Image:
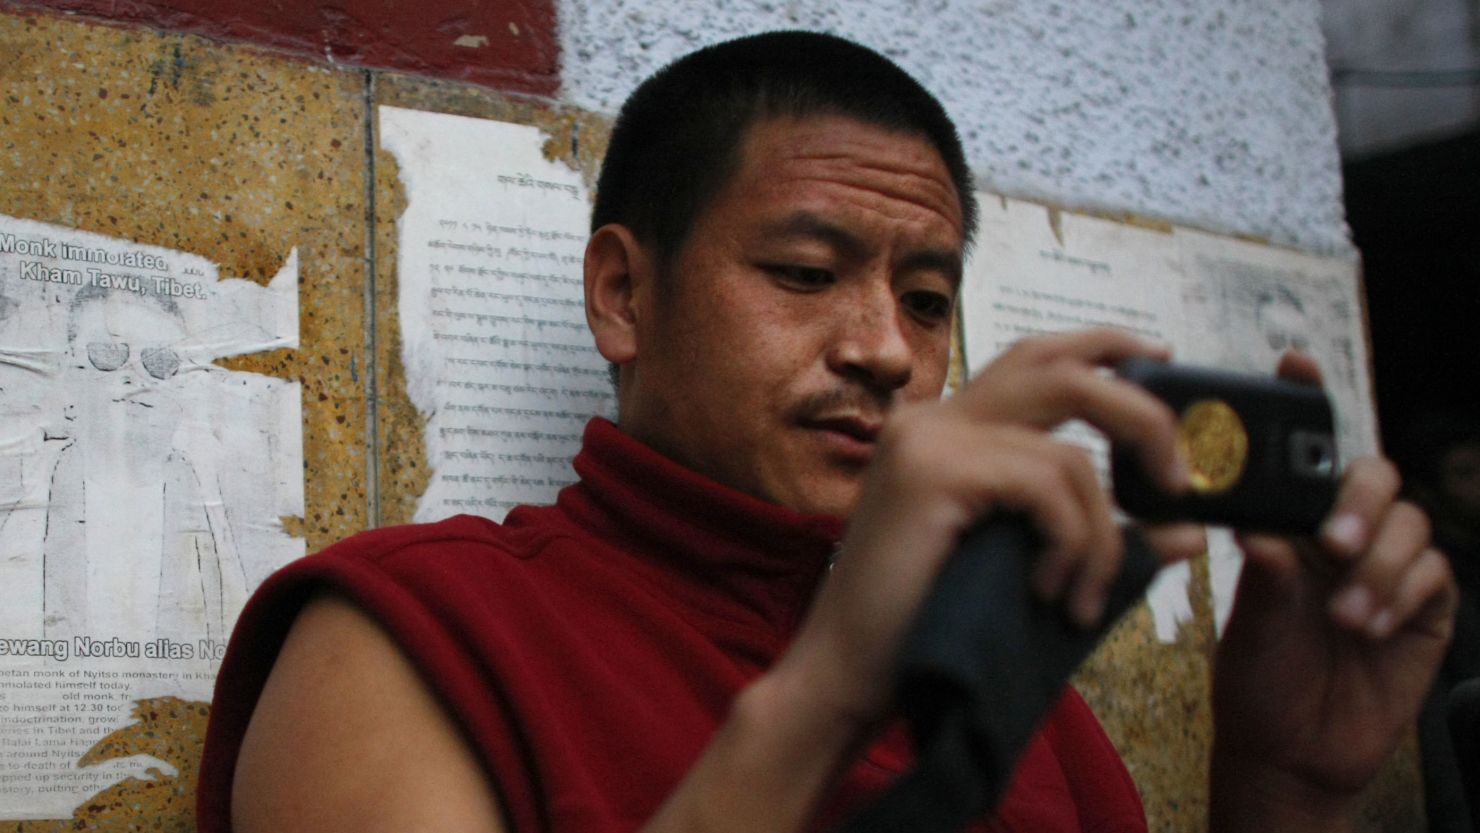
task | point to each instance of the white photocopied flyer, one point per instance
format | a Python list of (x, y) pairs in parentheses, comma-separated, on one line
[(142, 489), (497, 353)]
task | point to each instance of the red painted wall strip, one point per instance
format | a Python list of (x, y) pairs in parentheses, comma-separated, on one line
[(510, 45)]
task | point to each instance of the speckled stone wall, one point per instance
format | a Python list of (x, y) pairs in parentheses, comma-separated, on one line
[(1153, 700), (1209, 114)]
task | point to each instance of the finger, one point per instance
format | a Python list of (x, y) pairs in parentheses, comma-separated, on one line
[(1056, 564), (974, 471), (1299, 367), (1269, 554), (1096, 345), (1367, 490), (1130, 417), (1023, 470), (1090, 591), (1004, 386), (1126, 413), (1176, 541), (1029, 472), (1424, 598), (1083, 575), (1376, 577), (1273, 577)]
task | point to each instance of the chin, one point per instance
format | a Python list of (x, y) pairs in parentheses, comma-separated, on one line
[(838, 501)]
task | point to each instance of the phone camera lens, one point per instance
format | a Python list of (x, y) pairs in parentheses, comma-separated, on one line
[(1312, 454)]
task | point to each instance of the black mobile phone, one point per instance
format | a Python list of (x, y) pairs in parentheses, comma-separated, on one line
[(1262, 450)]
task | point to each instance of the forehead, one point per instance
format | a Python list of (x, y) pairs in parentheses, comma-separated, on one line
[(848, 165)]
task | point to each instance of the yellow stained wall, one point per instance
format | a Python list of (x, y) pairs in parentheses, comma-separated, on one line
[(179, 142), (240, 156)]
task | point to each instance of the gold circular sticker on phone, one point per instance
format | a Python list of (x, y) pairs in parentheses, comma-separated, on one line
[(1212, 439)]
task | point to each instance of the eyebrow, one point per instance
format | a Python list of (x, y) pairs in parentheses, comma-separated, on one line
[(806, 225), (810, 226), (936, 260)]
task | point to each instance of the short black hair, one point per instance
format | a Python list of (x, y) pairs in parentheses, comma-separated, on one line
[(676, 141)]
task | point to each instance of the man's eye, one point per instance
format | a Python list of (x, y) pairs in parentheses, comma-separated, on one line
[(802, 276), (930, 306)]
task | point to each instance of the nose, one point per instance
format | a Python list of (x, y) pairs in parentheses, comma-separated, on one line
[(870, 344)]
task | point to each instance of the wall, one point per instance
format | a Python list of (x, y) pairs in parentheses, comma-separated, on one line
[(179, 142), (509, 45), (260, 138), (1206, 113)]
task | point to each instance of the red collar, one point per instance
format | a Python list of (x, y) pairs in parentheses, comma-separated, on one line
[(765, 556)]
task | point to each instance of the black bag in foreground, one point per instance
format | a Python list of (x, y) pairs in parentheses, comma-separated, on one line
[(981, 667)]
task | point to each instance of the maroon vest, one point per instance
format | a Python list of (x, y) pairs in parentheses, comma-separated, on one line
[(590, 649)]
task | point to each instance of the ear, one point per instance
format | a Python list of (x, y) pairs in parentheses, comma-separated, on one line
[(618, 274)]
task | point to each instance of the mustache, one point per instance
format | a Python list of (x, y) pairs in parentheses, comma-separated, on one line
[(864, 401)]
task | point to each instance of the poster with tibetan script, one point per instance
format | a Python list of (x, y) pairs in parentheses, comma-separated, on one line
[(497, 354)]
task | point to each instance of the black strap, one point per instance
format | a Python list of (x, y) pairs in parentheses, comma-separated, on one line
[(982, 665)]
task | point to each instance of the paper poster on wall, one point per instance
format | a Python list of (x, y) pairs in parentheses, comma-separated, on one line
[(1217, 301), (495, 345), (141, 490)]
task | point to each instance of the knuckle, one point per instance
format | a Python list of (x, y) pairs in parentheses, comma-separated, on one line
[(1378, 474), (1065, 470), (1072, 460), (909, 455), (918, 442), (1063, 384), (1441, 568), (1078, 380), (1415, 519), (1436, 562), (1161, 419), (905, 427), (1026, 349), (1071, 538), (1111, 338), (1106, 563), (1045, 476), (1391, 480)]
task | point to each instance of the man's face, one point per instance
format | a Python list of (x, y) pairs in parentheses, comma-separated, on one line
[(814, 293), (1284, 326), (129, 338)]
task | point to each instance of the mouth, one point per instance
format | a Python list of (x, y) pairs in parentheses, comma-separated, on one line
[(850, 436), (859, 428)]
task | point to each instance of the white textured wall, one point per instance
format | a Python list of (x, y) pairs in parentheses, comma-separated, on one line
[(1213, 113)]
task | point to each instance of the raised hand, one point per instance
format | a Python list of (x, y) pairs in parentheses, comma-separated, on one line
[(1329, 651), (942, 467)]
